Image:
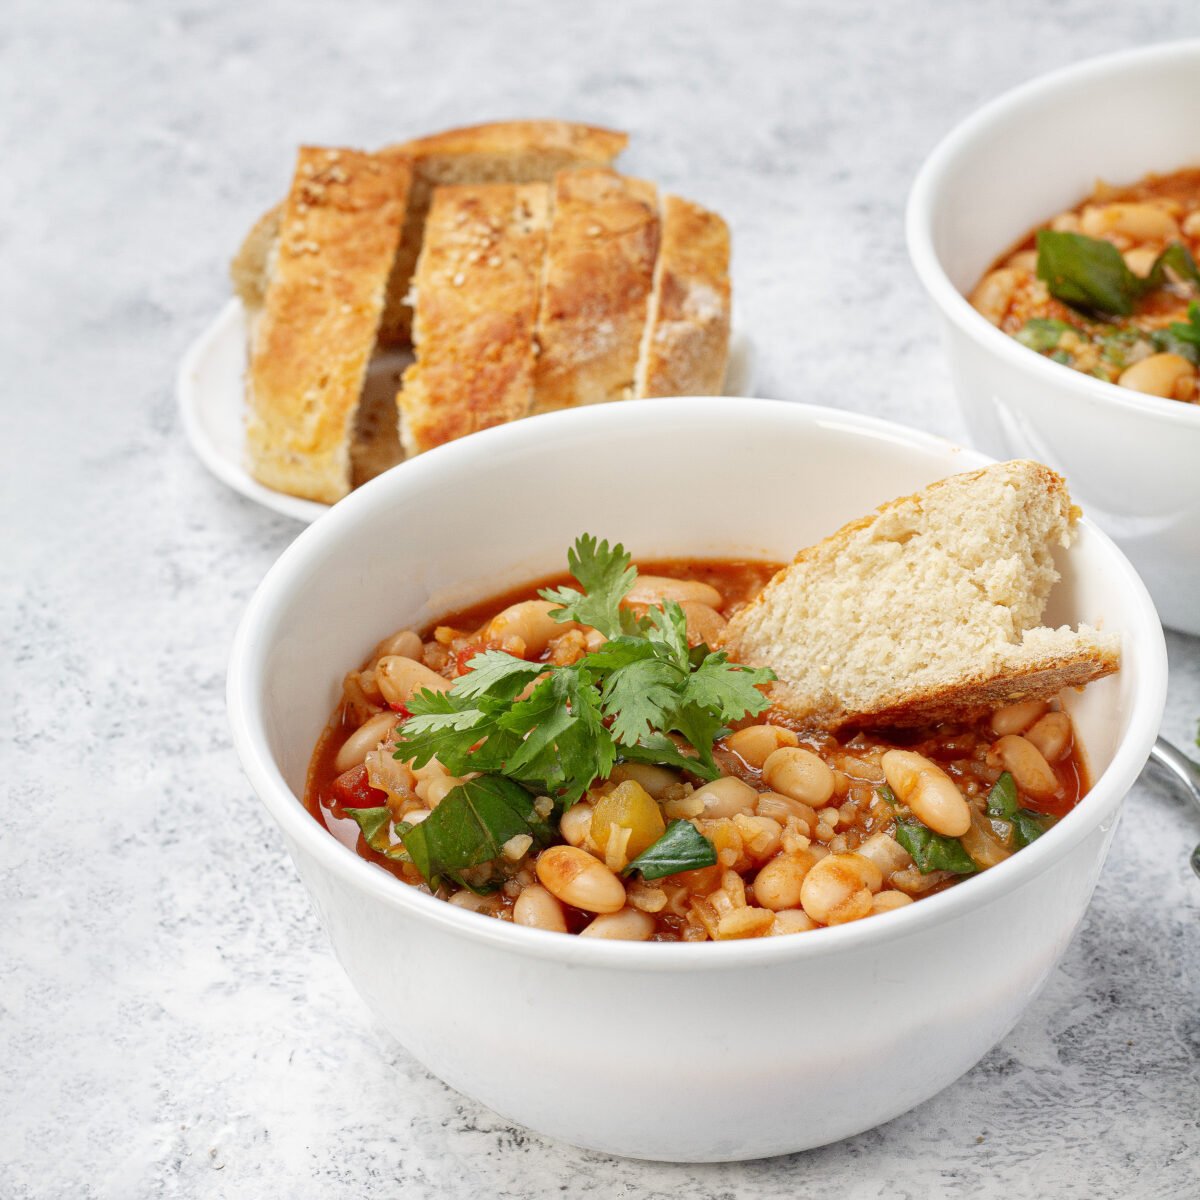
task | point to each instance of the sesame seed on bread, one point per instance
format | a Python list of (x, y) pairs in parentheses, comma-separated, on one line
[(476, 289), (599, 273)]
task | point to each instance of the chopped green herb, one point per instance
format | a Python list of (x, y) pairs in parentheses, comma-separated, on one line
[(1042, 333), (1182, 337), (374, 823), (1090, 273), (470, 826), (1003, 803), (933, 851), (1087, 272), (681, 848)]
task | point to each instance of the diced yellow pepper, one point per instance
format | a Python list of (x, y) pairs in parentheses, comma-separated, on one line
[(628, 806)]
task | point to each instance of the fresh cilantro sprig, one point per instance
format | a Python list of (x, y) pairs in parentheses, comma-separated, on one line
[(624, 700), (607, 576)]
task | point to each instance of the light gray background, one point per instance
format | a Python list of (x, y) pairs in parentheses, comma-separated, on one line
[(171, 1019)]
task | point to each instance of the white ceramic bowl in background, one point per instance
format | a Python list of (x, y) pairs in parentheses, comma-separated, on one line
[(669, 1051), (1131, 459)]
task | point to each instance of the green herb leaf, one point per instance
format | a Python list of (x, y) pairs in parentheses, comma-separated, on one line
[(1004, 802), (933, 851), (1042, 333), (606, 576), (1084, 271), (681, 848), (727, 688), (496, 674), (375, 823), (1182, 337), (1091, 273), (470, 826), (1179, 259)]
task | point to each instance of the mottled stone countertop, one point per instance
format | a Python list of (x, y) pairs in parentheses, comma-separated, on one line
[(172, 1022)]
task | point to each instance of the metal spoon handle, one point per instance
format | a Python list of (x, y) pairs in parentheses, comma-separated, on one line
[(1172, 759), (1187, 772)]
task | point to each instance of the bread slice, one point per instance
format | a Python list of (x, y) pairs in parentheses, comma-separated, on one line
[(476, 288), (251, 266), (686, 343), (926, 610), (600, 255), (310, 347), (500, 152)]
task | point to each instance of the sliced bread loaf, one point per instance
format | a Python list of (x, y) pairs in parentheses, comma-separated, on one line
[(476, 290), (600, 255), (499, 152), (927, 609), (324, 296), (686, 341)]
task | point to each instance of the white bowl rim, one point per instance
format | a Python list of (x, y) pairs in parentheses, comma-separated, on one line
[(1034, 94), (298, 824)]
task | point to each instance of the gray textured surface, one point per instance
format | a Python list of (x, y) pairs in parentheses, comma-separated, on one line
[(171, 1020)]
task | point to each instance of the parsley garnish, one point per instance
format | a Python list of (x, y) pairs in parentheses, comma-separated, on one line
[(643, 696)]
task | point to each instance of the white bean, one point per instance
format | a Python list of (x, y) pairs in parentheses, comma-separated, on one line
[(536, 908), (363, 740), (800, 774), (580, 880), (931, 794), (628, 925), (400, 678), (653, 589), (530, 621)]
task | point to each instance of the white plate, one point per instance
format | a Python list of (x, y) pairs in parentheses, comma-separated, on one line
[(211, 399)]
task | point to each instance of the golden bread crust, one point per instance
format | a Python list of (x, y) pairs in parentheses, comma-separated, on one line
[(251, 265), (686, 343), (477, 285), (966, 700), (497, 152), (338, 235), (600, 256), (500, 152), (584, 143)]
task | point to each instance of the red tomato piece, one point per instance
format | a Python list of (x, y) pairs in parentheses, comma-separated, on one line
[(351, 790), (463, 657)]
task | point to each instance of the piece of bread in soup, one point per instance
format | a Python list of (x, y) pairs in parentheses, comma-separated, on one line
[(926, 610)]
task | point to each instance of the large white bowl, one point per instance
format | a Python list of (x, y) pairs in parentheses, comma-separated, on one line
[(667, 1051), (1131, 459)]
